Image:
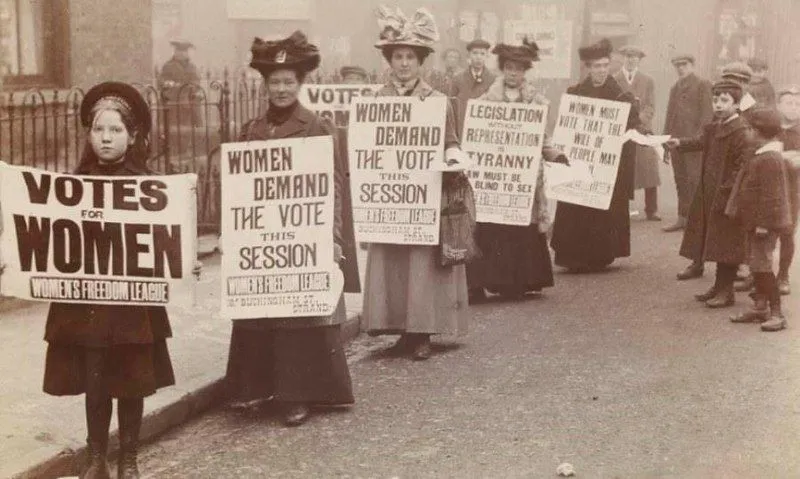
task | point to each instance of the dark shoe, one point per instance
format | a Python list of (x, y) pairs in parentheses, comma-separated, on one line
[(422, 350), (722, 299), (127, 468), (677, 226), (477, 296), (757, 314), (694, 270), (745, 285), (653, 217), (703, 297), (402, 345), (296, 415), (776, 322), (783, 286), (97, 464)]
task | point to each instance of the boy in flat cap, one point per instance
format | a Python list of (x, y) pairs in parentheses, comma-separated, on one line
[(761, 202), (688, 109), (642, 87), (760, 86), (354, 75), (712, 235), (474, 81), (789, 109)]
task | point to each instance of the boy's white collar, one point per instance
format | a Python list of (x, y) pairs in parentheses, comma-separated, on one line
[(772, 146)]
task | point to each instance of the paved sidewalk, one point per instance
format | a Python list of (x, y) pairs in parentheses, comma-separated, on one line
[(41, 434)]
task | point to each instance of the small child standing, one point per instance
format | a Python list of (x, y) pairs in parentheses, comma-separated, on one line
[(761, 203), (789, 109)]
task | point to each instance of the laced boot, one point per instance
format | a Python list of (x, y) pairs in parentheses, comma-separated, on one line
[(723, 299), (96, 462), (130, 423), (776, 321)]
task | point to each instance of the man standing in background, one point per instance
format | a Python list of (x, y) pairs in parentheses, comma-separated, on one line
[(177, 72), (760, 86), (474, 81), (689, 108), (643, 88)]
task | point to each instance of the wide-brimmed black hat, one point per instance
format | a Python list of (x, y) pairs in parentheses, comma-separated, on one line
[(478, 43), (118, 95), (293, 53), (596, 51), (526, 54)]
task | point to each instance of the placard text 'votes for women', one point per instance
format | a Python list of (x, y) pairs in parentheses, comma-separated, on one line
[(504, 141), (395, 145), (591, 130), (333, 101), (277, 229), (97, 239)]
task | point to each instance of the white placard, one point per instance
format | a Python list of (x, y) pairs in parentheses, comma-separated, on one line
[(504, 141), (97, 239), (592, 131), (396, 146), (277, 229), (333, 101)]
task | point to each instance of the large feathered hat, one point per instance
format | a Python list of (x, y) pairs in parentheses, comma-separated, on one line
[(526, 54), (293, 53), (596, 51), (397, 30), (117, 95)]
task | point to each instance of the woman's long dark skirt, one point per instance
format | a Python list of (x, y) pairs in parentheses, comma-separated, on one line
[(514, 258), (290, 365)]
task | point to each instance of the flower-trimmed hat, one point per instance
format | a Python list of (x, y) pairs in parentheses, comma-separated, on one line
[(398, 30), (526, 54), (632, 51), (478, 43), (116, 95), (292, 53), (596, 51)]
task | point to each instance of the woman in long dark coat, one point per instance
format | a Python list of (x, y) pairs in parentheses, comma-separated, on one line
[(110, 351), (297, 362), (589, 239), (406, 292), (515, 259)]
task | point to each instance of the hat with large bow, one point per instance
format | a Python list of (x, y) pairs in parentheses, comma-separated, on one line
[(292, 53), (397, 29), (526, 54)]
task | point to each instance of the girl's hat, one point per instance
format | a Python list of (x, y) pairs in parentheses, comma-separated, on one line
[(117, 95), (397, 30), (596, 51), (292, 53), (527, 53)]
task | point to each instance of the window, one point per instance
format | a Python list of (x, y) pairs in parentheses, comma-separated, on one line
[(34, 36)]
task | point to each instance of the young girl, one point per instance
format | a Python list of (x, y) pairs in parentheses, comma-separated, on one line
[(108, 351)]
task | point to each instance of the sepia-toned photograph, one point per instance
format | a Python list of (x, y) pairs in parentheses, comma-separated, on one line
[(399, 239)]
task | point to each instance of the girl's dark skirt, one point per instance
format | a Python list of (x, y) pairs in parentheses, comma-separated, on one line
[(514, 258), (129, 370), (305, 365)]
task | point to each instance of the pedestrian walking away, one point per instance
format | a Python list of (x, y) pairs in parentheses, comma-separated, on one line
[(295, 362), (688, 110), (646, 175), (110, 351), (589, 239), (515, 259), (710, 234), (406, 291), (760, 200)]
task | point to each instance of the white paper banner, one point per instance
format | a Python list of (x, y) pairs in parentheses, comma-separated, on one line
[(277, 229), (97, 239), (333, 101), (395, 145), (591, 131), (504, 141)]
